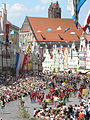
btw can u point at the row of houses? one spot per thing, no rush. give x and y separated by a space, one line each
67 58
58 58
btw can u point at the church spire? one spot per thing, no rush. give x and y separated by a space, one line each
54 11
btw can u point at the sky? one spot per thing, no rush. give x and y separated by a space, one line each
18 9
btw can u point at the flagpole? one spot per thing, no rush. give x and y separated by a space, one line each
76 14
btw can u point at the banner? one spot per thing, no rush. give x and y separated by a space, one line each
25 57
17 61
7 29
79 5
86 22
73 7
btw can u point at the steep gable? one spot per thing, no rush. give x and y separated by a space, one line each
26 26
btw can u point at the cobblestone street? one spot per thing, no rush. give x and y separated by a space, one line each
11 111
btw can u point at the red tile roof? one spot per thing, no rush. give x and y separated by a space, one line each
42 24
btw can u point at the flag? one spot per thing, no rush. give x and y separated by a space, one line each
79 5
70 7
27 49
19 59
7 28
7 32
85 27
7 40
25 58
66 29
28 62
89 28
22 58
60 37
86 22
17 63
71 53
73 7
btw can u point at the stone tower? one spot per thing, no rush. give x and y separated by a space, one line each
54 11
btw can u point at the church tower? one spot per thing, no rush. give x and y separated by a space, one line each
54 11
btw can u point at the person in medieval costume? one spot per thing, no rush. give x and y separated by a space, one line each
85 93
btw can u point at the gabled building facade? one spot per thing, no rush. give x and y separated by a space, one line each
47 63
61 59
73 58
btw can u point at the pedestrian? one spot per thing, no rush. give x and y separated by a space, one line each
22 101
2 104
81 116
79 96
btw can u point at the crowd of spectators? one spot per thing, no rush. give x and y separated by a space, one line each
76 84
76 112
22 86
61 87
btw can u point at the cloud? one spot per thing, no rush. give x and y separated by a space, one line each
38 8
47 1
18 7
16 12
